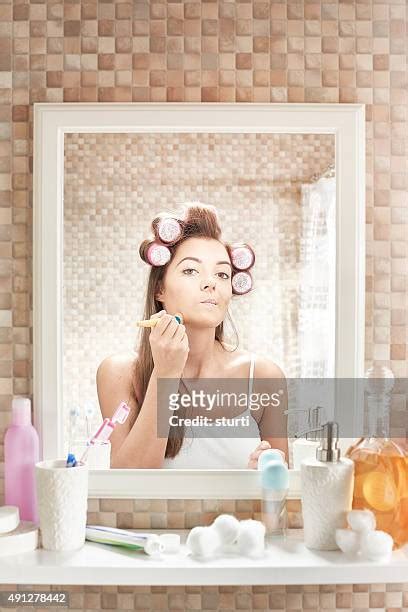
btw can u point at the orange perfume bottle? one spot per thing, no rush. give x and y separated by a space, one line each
381 465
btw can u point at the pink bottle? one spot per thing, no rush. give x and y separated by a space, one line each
21 453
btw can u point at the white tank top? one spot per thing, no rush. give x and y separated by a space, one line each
219 453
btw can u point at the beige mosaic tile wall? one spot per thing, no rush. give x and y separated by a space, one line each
313 51
293 598
178 513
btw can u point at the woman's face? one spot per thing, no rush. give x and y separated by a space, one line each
199 271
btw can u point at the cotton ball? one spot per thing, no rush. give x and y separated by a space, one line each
193 541
251 538
348 541
361 520
227 527
376 545
203 541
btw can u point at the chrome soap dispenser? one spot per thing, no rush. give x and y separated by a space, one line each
327 491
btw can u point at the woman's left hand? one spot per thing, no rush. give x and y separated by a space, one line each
253 457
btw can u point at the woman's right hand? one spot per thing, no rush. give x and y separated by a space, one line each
169 346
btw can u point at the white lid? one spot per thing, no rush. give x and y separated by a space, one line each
21 404
21 411
9 518
22 539
171 542
153 545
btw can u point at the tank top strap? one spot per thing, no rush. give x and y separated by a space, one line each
251 378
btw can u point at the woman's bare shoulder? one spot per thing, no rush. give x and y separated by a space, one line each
266 368
118 365
114 379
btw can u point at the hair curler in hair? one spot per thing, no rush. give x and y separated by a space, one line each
242 257
241 283
158 254
168 230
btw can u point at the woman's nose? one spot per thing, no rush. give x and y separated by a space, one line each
209 282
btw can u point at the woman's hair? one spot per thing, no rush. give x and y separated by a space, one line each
198 220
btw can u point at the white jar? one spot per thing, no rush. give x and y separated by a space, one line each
327 496
327 491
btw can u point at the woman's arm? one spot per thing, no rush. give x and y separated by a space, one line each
270 379
139 446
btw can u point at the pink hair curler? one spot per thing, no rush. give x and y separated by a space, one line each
242 257
168 230
158 254
241 283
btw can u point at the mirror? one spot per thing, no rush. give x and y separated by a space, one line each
277 180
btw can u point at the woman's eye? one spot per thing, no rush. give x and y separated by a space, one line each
189 270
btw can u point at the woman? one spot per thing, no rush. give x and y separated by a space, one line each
193 272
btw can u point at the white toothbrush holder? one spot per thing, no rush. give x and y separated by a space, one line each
62 504
99 454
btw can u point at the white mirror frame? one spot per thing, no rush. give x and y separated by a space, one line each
51 123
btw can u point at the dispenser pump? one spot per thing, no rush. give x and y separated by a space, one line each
328 450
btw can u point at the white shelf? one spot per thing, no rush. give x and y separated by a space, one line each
285 562
202 484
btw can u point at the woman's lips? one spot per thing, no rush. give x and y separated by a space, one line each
209 304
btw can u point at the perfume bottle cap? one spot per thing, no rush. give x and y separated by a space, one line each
329 437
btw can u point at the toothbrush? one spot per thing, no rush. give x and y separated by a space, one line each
153 322
104 432
89 412
74 415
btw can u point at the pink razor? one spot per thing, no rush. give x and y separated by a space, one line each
104 432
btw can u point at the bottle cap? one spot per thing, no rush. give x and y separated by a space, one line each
328 450
267 455
154 547
275 475
171 542
21 411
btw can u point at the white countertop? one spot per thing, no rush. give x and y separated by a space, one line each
285 562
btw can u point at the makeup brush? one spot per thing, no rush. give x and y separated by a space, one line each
153 322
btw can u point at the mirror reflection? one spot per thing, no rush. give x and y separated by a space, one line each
233 232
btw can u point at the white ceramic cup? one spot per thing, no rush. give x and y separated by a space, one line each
62 504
